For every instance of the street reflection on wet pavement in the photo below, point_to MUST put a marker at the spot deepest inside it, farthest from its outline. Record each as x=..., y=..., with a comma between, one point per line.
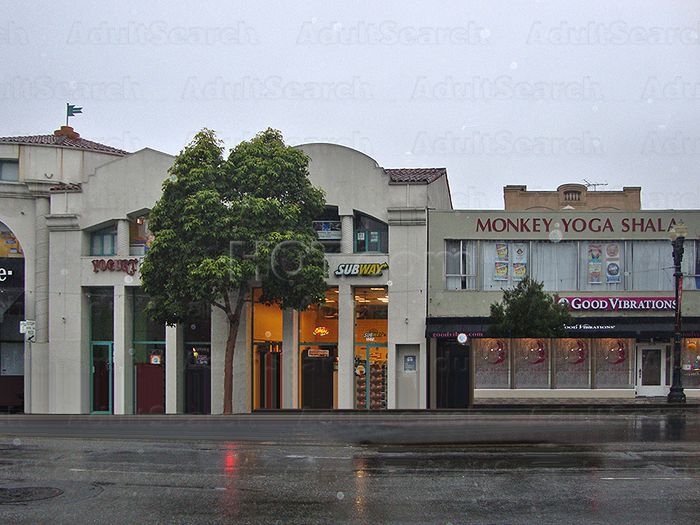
x=653, y=478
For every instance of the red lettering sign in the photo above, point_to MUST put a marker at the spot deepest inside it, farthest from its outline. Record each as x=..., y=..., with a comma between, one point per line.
x=129, y=266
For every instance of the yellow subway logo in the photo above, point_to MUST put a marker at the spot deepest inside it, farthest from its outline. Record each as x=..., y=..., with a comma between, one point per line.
x=361, y=269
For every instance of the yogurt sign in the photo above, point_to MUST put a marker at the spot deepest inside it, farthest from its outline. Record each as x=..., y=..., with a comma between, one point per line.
x=615, y=304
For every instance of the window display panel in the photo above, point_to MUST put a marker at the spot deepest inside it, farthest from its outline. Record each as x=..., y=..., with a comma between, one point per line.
x=318, y=347
x=613, y=362
x=267, y=353
x=690, y=363
x=101, y=305
x=555, y=265
x=652, y=266
x=460, y=265
x=145, y=328
x=602, y=266
x=504, y=264
x=531, y=362
x=492, y=363
x=572, y=363
x=370, y=365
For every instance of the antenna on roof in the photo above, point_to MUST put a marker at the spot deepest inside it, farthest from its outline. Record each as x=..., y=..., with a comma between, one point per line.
x=594, y=185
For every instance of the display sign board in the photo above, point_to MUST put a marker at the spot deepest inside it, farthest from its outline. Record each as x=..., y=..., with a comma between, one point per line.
x=318, y=352
x=11, y=273
x=328, y=230
x=361, y=269
x=616, y=304
x=129, y=266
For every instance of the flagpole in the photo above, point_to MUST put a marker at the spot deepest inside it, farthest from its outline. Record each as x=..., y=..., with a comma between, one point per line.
x=67, y=104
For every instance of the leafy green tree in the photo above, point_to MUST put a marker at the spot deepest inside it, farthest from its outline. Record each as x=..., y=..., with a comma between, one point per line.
x=528, y=311
x=221, y=224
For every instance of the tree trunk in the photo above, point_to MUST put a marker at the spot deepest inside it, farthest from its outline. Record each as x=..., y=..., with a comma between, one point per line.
x=234, y=320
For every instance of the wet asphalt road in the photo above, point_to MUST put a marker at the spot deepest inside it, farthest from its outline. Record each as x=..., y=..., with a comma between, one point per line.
x=302, y=470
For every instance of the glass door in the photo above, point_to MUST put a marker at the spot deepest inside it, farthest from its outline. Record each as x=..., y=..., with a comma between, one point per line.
x=652, y=377
x=370, y=376
x=101, y=378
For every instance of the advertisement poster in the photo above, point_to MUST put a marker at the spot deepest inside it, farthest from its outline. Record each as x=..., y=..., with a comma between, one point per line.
x=520, y=253
x=612, y=263
x=501, y=251
x=595, y=264
x=519, y=271
x=9, y=246
x=501, y=271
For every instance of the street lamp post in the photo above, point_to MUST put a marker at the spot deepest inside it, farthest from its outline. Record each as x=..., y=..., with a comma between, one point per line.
x=677, y=234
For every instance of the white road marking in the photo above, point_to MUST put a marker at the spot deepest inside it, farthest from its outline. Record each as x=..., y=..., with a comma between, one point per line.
x=295, y=456
x=643, y=479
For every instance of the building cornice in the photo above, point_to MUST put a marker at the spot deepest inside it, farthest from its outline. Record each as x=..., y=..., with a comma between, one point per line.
x=62, y=222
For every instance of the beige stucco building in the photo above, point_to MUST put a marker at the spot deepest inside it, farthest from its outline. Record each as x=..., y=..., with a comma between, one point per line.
x=76, y=214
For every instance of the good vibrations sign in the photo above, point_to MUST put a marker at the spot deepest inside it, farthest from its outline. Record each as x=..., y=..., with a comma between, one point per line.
x=615, y=304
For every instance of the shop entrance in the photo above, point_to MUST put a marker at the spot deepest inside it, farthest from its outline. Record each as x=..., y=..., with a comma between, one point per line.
x=318, y=376
x=268, y=358
x=370, y=376
x=150, y=383
x=198, y=380
x=653, y=370
x=101, y=378
x=452, y=375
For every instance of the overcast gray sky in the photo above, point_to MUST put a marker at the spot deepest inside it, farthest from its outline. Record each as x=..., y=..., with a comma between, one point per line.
x=499, y=92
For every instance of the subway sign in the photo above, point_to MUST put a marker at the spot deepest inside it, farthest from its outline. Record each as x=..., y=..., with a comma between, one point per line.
x=360, y=269
x=616, y=304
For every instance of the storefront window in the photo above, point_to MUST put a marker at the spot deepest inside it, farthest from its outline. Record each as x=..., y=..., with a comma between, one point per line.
x=267, y=353
x=101, y=305
x=460, y=265
x=318, y=353
x=104, y=241
x=139, y=236
x=613, y=362
x=531, y=362
x=555, y=265
x=504, y=264
x=602, y=266
x=328, y=229
x=371, y=325
x=572, y=363
x=690, y=363
x=371, y=235
x=492, y=363
x=197, y=335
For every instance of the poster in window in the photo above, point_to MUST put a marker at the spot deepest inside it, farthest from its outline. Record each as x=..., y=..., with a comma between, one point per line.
x=595, y=271
x=520, y=253
x=374, y=237
x=501, y=271
x=595, y=254
x=519, y=271
x=501, y=252
x=612, y=251
x=612, y=272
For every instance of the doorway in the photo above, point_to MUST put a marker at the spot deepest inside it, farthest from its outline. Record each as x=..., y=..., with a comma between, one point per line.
x=268, y=361
x=198, y=380
x=371, y=376
x=101, y=378
x=318, y=376
x=452, y=375
x=653, y=370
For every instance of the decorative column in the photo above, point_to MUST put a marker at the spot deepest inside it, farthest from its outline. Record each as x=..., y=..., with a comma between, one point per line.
x=123, y=352
x=346, y=347
x=174, y=370
x=290, y=359
x=123, y=238
x=347, y=244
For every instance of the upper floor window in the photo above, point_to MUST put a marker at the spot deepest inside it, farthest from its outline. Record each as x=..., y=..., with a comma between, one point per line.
x=460, y=264
x=371, y=235
x=9, y=170
x=140, y=236
x=328, y=229
x=104, y=241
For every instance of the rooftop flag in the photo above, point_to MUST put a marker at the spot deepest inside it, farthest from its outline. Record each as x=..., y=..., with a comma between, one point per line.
x=72, y=110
